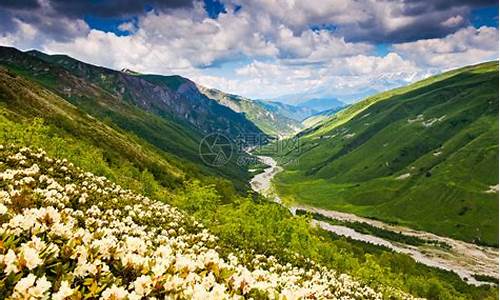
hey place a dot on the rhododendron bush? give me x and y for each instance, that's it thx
(67, 234)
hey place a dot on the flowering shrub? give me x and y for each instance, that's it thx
(67, 234)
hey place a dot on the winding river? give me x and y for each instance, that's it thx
(465, 259)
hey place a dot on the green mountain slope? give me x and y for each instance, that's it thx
(425, 155)
(172, 97)
(320, 117)
(297, 113)
(270, 121)
(161, 118)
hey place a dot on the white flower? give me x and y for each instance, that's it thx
(31, 256)
(101, 227)
(41, 288)
(143, 285)
(200, 293)
(10, 261)
(21, 288)
(26, 288)
(218, 292)
(114, 293)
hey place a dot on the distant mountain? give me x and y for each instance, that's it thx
(269, 120)
(424, 155)
(322, 104)
(166, 115)
(287, 110)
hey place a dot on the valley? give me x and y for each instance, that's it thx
(464, 259)
(420, 156)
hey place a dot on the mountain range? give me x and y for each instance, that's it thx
(170, 114)
(322, 104)
(167, 115)
(272, 121)
(319, 117)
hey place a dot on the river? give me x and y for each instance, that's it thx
(465, 259)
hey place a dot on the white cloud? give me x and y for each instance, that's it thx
(316, 46)
(287, 55)
(186, 40)
(342, 76)
(29, 36)
(466, 46)
(23, 38)
(367, 20)
(453, 21)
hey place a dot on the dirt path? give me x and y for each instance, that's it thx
(465, 259)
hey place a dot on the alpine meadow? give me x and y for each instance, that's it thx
(230, 149)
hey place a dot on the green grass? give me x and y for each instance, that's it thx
(245, 224)
(270, 229)
(112, 151)
(353, 161)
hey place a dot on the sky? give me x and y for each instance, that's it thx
(289, 50)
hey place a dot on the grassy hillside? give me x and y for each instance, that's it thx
(22, 105)
(269, 120)
(320, 117)
(162, 119)
(425, 156)
(98, 240)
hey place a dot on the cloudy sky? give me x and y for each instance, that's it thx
(264, 48)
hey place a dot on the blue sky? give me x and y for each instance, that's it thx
(264, 49)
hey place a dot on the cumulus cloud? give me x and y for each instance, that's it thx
(316, 46)
(466, 46)
(370, 20)
(21, 19)
(192, 38)
(344, 76)
(127, 27)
